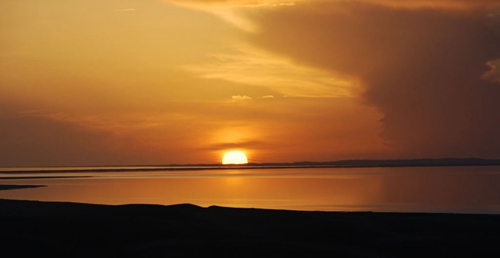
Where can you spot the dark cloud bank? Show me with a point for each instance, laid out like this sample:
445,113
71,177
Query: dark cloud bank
423,68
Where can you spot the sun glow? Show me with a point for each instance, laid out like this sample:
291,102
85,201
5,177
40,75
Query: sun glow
234,157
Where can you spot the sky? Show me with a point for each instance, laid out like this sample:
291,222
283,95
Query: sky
135,82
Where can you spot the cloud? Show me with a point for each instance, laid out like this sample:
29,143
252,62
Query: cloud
240,97
422,68
493,74
395,3
253,67
447,4
268,97
237,3
284,4
231,10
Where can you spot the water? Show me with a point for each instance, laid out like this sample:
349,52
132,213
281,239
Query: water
404,189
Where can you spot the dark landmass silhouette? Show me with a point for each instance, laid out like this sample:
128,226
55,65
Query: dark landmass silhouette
408,162
303,164
32,228
12,187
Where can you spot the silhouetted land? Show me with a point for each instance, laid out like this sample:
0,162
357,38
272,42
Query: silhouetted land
403,162
302,164
12,187
30,228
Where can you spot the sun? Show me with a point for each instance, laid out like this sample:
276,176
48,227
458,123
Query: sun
234,157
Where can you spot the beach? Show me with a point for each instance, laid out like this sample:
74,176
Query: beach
78,230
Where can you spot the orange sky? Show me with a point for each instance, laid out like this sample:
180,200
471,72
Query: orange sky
92,82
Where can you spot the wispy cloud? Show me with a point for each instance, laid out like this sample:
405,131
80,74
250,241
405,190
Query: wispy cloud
236,3
493,74
398,3
233,11
241,97
268,97
253,67
284,4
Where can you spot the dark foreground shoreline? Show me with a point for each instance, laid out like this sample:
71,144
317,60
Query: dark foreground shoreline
87,230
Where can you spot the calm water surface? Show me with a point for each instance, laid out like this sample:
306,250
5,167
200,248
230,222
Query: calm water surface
407,189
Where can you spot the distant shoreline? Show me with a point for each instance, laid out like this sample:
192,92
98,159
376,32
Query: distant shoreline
305,164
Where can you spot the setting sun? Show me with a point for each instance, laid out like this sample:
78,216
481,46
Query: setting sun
234,157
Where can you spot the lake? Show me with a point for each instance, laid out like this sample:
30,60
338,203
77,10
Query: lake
473,189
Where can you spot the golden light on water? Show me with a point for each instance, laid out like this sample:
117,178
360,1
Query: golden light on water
234,158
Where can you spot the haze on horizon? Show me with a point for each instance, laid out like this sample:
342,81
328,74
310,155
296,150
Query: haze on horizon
92,82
